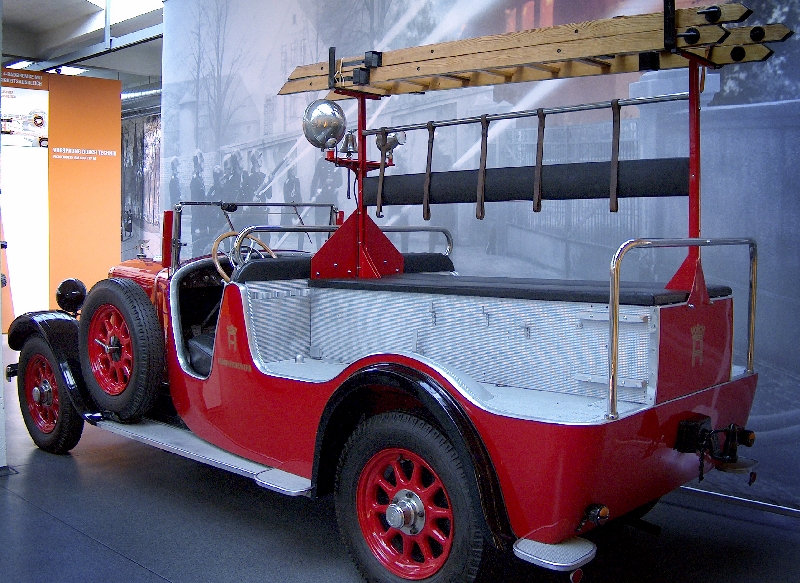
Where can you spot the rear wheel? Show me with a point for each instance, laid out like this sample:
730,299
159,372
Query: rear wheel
404,504
51,420
122,348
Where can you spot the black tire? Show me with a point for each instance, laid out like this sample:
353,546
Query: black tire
121,347
51,420
445,540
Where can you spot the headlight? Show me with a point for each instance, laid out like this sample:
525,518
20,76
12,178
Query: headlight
324,123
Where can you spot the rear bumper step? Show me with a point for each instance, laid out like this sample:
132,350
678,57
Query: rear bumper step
186,444
564,556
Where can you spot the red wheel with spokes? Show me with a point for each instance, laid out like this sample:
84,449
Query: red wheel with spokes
406,509
405,514
41,393
110,350
122,348
51,420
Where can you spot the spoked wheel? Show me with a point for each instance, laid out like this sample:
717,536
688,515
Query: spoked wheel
122,348
405,513
405,507
110,350
51,420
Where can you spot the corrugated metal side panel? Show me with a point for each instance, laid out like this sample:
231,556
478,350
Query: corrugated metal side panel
518,343
280,319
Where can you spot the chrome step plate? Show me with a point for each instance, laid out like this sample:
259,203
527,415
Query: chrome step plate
565,556
186,444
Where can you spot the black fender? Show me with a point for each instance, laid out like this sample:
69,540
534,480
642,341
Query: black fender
439,406
60,331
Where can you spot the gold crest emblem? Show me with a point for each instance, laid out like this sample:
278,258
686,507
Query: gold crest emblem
232,345
698,331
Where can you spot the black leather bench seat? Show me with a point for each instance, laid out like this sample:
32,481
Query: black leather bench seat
596,292
294,267
201,351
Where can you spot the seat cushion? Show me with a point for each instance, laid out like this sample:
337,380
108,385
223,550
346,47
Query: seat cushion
201,351
271,269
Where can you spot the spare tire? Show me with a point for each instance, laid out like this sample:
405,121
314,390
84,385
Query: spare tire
121,348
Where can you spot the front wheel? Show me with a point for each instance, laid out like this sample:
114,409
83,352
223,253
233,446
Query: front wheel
51,420
404,504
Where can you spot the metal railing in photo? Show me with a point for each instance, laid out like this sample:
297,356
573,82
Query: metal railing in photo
229,207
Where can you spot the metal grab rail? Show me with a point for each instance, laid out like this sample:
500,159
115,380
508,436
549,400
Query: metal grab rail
541,113
221,204
237,245
613,302
529,113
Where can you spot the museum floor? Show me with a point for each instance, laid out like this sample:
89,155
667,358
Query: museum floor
115,510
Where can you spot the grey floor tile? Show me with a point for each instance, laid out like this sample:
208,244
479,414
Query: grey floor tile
117,510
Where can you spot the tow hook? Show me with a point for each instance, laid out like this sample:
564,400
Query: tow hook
11,371
596,514
695,435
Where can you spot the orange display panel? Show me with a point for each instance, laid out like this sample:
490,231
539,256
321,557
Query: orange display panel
85,175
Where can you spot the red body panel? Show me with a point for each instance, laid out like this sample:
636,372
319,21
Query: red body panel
695,348
270,420
549,473
142,271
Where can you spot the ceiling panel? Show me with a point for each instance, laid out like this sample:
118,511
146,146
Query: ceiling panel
41,15
30,24
143,59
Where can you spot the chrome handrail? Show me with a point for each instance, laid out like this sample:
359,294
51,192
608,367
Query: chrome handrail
237,245
613,302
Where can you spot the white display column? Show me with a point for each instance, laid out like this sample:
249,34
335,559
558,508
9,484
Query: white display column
3,455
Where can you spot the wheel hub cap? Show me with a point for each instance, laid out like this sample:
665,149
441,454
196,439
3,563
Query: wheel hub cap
406,512
110,350
114,349
43,395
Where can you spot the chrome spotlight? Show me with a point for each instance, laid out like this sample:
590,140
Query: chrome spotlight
324,124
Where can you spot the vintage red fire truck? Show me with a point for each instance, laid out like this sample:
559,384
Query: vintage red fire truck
448,414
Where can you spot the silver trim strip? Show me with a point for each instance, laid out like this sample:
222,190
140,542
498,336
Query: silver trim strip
175,316
186,444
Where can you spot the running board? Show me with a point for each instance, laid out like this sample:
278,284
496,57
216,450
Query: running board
564,556
186,444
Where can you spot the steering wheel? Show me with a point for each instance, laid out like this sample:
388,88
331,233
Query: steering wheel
227,235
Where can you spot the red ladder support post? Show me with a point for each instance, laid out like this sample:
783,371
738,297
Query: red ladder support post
361,174
358,248
690,274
